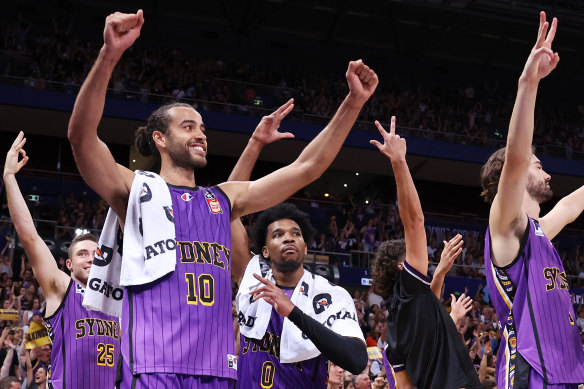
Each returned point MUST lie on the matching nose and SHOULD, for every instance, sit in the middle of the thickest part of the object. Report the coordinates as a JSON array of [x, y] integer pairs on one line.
[[547, 176], [288, 238]]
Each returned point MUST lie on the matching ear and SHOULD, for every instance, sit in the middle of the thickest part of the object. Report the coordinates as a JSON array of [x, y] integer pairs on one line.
[[69, 264], [265, 252], [159, 138]]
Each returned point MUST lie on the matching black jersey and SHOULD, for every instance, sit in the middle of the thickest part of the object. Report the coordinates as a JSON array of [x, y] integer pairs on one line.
[[423, 338]]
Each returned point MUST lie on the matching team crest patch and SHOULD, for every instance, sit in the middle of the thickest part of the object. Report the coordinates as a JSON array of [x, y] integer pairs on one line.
[[79, 289], [186, 196], [213, 203]]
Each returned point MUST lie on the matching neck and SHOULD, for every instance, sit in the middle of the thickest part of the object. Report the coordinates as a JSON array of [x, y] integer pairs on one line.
[[289, 279], [177, 175], [83, 284], [530, 206]]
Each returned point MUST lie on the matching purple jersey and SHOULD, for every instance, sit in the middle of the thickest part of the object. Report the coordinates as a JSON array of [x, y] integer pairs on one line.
[[182, 323], [259, 362], [86, 344], [535, 313]]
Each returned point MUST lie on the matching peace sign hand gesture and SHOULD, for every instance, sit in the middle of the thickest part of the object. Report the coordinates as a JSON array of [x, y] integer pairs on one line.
[[393, 147]]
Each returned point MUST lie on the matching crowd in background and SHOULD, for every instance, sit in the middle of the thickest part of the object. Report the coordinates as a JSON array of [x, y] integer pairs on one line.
[[462, 113]]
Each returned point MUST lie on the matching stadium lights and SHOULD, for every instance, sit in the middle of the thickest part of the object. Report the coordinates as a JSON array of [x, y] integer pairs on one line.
[[345, 185], [356, 174], [326, 195], [366, 201], [81, 231]]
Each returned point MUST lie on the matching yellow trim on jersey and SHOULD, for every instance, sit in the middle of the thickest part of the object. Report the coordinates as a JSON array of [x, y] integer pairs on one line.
[[500, 288], [507, 358]]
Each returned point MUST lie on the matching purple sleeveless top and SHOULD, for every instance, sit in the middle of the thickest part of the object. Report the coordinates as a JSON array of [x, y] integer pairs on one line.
[[536, 316], [182, 323], [86, 344], [260, 367]]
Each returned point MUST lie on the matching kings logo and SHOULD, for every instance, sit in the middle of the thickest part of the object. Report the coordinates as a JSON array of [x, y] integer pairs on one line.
[[213, 203]]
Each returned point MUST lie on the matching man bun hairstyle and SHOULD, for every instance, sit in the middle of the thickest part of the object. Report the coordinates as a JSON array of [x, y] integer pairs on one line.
[[278, 212], [158, 121]]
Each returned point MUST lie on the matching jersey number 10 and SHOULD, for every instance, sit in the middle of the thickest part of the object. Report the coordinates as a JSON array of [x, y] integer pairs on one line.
[[206, 287]]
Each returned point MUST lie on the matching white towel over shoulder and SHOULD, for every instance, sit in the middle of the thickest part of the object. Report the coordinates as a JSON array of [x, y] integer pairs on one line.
[[147, 249], [325, 302]]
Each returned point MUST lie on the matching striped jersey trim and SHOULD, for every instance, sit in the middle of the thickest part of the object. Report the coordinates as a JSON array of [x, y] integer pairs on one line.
[[425, 279]]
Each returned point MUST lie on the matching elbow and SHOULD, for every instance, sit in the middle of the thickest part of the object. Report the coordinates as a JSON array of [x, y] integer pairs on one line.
[[359, 363], [73, 135]]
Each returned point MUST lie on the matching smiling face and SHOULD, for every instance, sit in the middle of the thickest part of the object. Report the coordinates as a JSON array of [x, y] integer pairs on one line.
[[538, 182], [185, 142], [81, 258], [285, 245]]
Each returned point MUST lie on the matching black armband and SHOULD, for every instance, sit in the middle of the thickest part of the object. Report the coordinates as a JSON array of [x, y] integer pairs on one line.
[[344, 351]]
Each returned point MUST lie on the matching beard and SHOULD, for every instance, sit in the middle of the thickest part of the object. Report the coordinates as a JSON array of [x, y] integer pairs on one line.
[[184, 159], [538, 190], [286, 265]]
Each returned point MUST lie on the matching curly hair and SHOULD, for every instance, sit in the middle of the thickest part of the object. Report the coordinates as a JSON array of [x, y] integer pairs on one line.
[[158, 121], [385, 269], [281, 211]]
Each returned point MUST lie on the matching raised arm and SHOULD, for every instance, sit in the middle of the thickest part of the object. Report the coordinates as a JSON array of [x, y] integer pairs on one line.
[[564, 212], [52, 281], [94, 160], [254, 196], [265, 133], [410, 209], [452, 249], [507, 217]]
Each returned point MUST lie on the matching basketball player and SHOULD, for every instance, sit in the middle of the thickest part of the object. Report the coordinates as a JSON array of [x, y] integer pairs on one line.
[[424, 347], [540, 345], [177, 331], [283, 233], [86, 344]]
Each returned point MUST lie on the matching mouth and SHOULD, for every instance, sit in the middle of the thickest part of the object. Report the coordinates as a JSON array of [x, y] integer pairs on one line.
[[290, 249], [197, 148]]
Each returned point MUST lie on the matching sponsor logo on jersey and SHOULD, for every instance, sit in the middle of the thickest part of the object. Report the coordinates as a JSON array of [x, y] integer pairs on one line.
[[213, 203], [186, 196]]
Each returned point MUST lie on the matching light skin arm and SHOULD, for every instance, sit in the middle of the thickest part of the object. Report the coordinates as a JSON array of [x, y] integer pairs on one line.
[[7, 362], [249, 197], [564, 212], [452, 250], [265, 133], [507, 218], [460, 307], [403, 381], [410, 209], [29, 369], [52, 281], [94, 160]]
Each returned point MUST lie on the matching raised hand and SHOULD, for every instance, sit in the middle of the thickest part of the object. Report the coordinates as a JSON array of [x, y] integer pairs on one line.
[[12, 165], [273, 296], [452, 249], [542, 59], [460, 307], [121, 31], [393, 147], [362, 81], [267, 131]]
